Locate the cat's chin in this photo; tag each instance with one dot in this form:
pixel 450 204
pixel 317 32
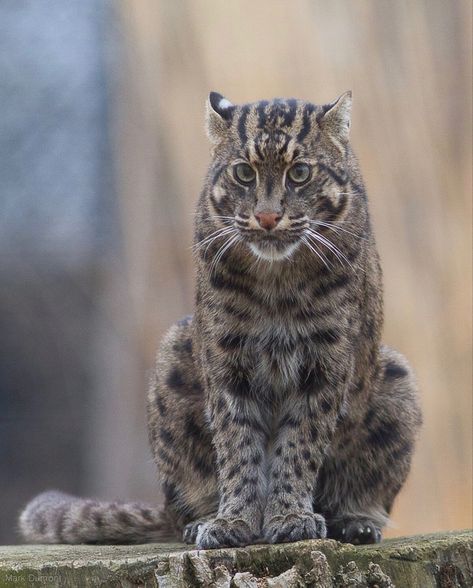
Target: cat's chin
pixel 269 252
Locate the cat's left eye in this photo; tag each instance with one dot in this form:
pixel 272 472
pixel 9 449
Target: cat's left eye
pixel 299 173
pixel 244 173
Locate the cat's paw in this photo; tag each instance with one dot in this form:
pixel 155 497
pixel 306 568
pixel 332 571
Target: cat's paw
pixel 295 527
pixel 221 532
pixel 189 535
pixel 358 531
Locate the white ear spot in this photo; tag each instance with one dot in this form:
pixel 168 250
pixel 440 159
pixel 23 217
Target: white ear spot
pixel 218 116
pixel 224 104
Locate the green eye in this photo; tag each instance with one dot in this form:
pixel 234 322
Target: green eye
pixel 299 173
pixel 244 173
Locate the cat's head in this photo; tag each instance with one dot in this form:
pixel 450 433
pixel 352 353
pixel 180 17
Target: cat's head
pixel 279 172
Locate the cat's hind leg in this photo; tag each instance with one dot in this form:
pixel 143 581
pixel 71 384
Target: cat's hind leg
pixel 370 458
pixel 179 434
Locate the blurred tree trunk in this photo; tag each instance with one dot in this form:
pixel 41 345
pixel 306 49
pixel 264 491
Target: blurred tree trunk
pixel 56 240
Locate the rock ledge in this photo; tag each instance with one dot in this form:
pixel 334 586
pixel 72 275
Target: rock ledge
pixel 441 561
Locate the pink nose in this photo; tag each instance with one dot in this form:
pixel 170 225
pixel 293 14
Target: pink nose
pixel 268 220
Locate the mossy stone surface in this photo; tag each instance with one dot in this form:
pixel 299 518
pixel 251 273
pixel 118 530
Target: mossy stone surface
pixel 441 560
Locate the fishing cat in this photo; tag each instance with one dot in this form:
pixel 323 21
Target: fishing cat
pixel 275 413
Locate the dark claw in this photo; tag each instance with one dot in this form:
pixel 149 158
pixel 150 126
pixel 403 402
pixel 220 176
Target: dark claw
pixel 221 532
pixel 355 531
pixel 189 534
pixel 295 527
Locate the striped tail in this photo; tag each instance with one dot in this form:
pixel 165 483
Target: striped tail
pixel 55 517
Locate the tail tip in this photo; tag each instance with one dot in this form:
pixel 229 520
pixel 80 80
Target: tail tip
pixel 33 520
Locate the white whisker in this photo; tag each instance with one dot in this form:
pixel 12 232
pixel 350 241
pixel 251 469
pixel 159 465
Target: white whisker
pixel 315 243
pixel 335 250
pixel 311 246
pixel 330 245
pixel 214 216
pixel 217 258
pixel 215 235
pixel 335 227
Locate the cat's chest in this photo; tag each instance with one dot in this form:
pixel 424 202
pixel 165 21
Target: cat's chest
pixel 279 350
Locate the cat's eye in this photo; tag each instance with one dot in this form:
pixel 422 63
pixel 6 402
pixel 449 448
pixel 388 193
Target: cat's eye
pixel 244 173
pixel 299 173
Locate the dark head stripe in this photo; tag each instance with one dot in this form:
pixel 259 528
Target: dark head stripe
pixel 260 109
pixel 291 112
pixel 217 174
pixel 242 123
pixel 306 122
pixel 341 178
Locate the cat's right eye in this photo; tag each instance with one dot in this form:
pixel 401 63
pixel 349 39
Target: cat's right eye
pixel 299 173
pixel 244 173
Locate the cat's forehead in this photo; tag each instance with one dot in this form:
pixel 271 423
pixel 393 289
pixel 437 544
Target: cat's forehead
pixel 277 126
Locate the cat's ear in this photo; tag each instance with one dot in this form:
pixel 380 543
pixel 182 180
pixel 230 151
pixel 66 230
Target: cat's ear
pixel 219 113
pixel 337 117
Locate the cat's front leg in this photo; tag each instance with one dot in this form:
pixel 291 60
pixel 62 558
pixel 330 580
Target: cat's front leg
pixel 239 443
pixel 305 429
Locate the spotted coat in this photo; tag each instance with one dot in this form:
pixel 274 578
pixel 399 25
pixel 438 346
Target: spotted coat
pixel 275 413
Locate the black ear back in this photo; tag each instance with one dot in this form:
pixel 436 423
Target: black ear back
pixel 221 105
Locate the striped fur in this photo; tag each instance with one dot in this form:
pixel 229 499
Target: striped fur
pixel 275 414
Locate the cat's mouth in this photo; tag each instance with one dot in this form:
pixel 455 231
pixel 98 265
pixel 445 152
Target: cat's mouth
pixel 273 249
pixel 272 245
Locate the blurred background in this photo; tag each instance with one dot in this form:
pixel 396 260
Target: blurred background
pixel 102 156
